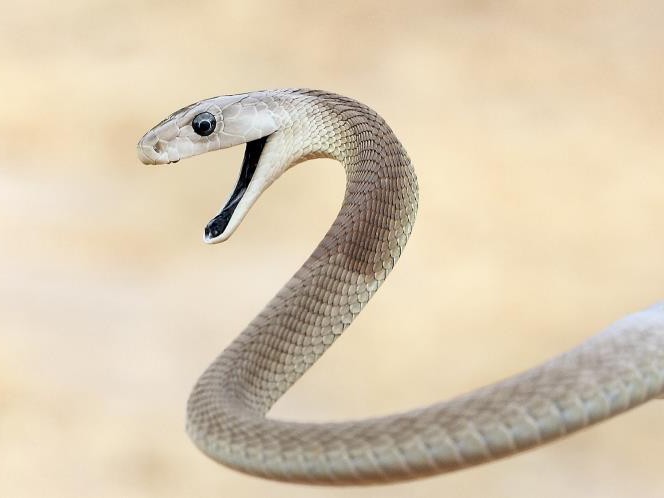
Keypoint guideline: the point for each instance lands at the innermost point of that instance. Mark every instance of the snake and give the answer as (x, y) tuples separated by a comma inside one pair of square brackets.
[(227, 411)]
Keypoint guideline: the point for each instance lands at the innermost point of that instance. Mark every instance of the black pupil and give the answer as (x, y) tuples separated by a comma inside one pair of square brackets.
[(204, 123)]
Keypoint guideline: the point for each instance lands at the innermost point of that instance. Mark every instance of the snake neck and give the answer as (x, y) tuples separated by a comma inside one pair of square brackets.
[(359, 250)]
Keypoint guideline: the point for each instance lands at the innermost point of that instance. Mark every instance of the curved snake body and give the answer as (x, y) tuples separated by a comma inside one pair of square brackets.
[(226, 414)]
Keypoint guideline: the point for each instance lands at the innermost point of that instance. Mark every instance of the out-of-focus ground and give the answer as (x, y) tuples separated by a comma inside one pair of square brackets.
[(537, 132)]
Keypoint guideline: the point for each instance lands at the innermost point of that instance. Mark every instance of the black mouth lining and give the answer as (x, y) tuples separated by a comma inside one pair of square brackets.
[(251, 155)]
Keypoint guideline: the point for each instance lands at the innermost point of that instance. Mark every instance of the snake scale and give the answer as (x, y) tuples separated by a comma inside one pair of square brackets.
[(611, 372)]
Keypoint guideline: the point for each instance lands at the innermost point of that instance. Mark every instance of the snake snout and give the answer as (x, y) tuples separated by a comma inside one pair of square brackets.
[(148, 149), (152, 150)]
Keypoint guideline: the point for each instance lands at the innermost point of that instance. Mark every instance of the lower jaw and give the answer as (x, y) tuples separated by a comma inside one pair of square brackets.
[(216, 227)]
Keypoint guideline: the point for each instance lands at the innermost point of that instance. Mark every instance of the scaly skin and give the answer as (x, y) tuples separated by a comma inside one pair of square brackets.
[(226, 414)]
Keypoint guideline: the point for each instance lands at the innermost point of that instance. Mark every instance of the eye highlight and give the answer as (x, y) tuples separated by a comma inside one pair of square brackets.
[(204, 123)]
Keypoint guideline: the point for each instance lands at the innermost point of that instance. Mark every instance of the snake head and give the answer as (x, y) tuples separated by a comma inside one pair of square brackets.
[(254, 119), (211, 124)]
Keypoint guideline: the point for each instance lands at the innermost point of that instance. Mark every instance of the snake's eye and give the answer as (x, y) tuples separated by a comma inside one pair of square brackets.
[(204, 124)]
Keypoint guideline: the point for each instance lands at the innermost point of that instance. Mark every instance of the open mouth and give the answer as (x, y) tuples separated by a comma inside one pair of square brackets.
[(252, 154)]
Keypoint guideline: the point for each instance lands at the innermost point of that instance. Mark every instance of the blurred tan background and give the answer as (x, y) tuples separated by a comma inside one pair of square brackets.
[(536, 129)]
